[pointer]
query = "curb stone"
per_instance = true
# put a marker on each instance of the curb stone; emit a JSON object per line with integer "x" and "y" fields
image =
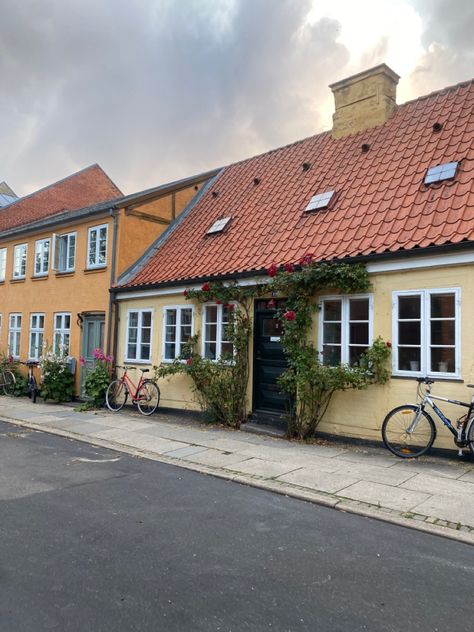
{"x": 427, "y": 524}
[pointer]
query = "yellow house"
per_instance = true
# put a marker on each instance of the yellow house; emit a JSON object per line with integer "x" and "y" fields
{"x": 390, "y": 186}
{"x": 61, "y": 249}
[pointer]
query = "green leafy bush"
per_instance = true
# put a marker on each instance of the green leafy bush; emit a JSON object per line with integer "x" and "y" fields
{"x": 7, "y": 363}
{"x": 58, "y": 381}
{"x": 97, "y": 379}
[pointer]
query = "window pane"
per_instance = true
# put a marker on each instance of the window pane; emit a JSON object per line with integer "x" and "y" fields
{"x": 67, "y": 321}
{"x": 409, "y": 307}
{"x": 359, "y": 309}
{"x": 331, "y": 355}
{"x": 332, "y": 332}
{"x": 332, "y": 310}
{"x": 132, "y": 334}
{"x": 359, "y": 333}
{"x": 211, "y": 314}
{"x": 408, "y": 359}
{"x": 271, "y": 327}
{"x": 171, "y": 317}
{"x": 409, "y": 333}
{"x": 210, "y": 350}
{"x": 131, "y": 351}
{"x": 170, "y": 333}
{"x": 442, "y": 306}
{"x": 442, "y": 332}
{"x": 170, "y": 349}
{"x": 442, "y": 360}
{"x": 355, "y": 353}
{"x": 146, "y": 319}
{"x": 145, "y": 352}
{"x": 227, "y": 350}
{"x": 146, "y": 334}
{"x": 210, "y": 333}
{"x": 186, "y": 316}
{"x": 133, "y": 319}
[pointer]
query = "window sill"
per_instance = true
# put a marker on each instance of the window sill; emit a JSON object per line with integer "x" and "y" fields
{"x": 18, "y": 280}
{"x": 132, "y": 362}
{"x": 436, "y": 378}
{"x": 39, "y": 277}
{"x": 66, "y": 273}
{"x": 97, "y": 269}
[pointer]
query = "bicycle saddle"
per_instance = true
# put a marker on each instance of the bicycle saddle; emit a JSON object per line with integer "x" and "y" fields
{"x": 424, "y": 380}
{"x": 145, "y": 370}
{"x": 470, "y": 385}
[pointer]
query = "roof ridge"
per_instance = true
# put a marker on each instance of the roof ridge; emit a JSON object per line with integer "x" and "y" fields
{"x": 48, "y": 186}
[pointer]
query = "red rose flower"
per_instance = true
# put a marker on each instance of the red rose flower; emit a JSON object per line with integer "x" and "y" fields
{"x": 271, "y": 303}
{"x": 272, "y": 270}
{"x": 205, "y": 287}
{"x": 186, "y": 292}
{"x": 306, "y": 259}
{"x": 189, "y": 361}
{"x": 389, "y": 345}
{"x": 218, "y": 302}
{"x": 230, "y": 306}
{"x": 289, "y": 267}
{"x": 289, "y": 315}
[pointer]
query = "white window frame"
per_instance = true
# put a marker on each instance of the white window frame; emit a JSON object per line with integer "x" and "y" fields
{"x": 17, "y": 258}
{"x": 345, "y": 298}
{"x": 40, "y": 250}
{"x": 178, "y": 342}
{"x": 14, "y": 329}
{"x": 36, "y": 335}
{"x": 97, "y": 229}
{"x": 62, "y": 332}
{"x": 63, "y": 248}
{"x": 3, "y": 263}
{"x": 219, "y": 340}
{"x": 425, "y": 343}
{"x": 140, "y": 312}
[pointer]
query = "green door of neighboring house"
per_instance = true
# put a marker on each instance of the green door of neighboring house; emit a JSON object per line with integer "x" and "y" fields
{"x": 93, "y": 328}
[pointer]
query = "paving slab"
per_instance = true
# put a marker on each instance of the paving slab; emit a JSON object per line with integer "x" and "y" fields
{"x": 454, "y": 508}
{"x": 266, "y": 469}
{"x": 317, "y": 480}
{"x": 374, "y": 473}
{"x": 443, "y": 486}
{"x": 182, "y": 452}
{"x": 216, "y": 458}
{"x": 369, "y": 458}
{"x": 439, "y": 469}
{"x": 384, "y": 495}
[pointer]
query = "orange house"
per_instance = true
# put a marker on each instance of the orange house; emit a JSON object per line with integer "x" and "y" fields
{"x": 62, "y": 247}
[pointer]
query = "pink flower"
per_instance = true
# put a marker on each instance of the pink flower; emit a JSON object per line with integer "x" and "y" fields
{"x": 189, "y": 361}
{"x": 289, "y": 267}
{"x": 82, "y": 361}
{"x": 205, "y": 287}
{"x": 271, "y": 303}
{"x": 272, "y": 270}
{"x": 10, "y": 359}
{"x": 389, "y": 345}
{"x": 289, "y": 315}
{"x": 109, "y": 358}
{"x": 98, "y": 354}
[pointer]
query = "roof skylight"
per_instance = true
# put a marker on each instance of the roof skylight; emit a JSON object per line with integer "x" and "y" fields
{"x": 441, "y": 172}
{"x": 218, "y": 225}
{"x": 320, "y": 200}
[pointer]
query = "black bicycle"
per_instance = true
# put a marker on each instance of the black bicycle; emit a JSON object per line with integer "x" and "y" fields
{"x": 409, "y": 431}
{"x": 32, "y": 384}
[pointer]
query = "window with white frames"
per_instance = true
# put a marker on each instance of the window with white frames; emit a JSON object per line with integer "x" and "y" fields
{"x": 14, "y": 335}
{"x": 3, "y": 263}
{"x": 426, "y": 332}
{"x": 345, "y": 328}
{"x": 66, "y": 253}
{"x": 36, "y": 336}
{"x": 19, "y": 261}
{"x": 215, "y": 338}
{"x": 138, "y": 348}
{"x": 97, "y": 247}
{"x": 42, "y": 248}
{"x": 177, "y": 329}
{"x": 62, "y": 332}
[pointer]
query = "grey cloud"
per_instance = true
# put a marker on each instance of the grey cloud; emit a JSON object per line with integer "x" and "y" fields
{"x": 157, "y": 90}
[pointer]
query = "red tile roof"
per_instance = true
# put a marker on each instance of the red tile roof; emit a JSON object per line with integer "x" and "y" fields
{"x": 81, "y": 189}
{"x": 381, "y": 203}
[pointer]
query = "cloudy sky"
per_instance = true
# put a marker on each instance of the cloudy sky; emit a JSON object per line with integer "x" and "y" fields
{"x": 154, "y": 90}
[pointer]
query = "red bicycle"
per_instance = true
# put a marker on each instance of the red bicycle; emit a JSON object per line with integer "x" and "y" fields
{"x": 145, "y": 394}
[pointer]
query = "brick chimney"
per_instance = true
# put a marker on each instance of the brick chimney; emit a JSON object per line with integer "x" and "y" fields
{"x": 364, "y": 100}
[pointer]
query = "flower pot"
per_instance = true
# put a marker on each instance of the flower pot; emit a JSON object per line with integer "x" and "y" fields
{"x": 443, "y": 367}
{"x": 414, "y": 365}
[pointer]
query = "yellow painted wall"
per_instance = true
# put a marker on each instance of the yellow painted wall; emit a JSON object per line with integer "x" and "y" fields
{"x": 137, "y": 234}
{"x": 79, "y": 291}
{"x": 351, "y": 413}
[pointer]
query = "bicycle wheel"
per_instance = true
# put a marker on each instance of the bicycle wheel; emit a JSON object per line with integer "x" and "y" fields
{"x": 398, "y": 439}
{"x": 33, "y": 389}
{"x": 9, "y": 382}
{"x": 470, "y": 438}
{"x": 148, "y": 398}
{"x": 116, "y": 395}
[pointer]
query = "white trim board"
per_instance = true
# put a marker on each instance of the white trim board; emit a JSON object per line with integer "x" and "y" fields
{"x": 394, "y": 265}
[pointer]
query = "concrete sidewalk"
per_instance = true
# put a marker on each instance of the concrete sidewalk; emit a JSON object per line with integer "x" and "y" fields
{"x": 430, "y": 494}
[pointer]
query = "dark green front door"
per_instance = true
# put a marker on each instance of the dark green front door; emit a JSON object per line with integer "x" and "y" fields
{"x": 269, "y": 361}
{"x": 93, "y": 328}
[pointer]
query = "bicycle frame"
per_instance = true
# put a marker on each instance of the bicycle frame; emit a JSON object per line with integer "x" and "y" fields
{"x": 460, "y": 433}
{"x": 129, "y": 385}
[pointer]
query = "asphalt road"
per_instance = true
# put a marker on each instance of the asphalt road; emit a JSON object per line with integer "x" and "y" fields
{"x": 92, "y": 540}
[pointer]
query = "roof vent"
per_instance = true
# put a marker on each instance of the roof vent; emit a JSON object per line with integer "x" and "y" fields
{"x": 437, "y": 127}
{"x": 447, "y": 171}
{"x": 256, "y": 181}
{"x": 365, "y": 148}
{"x": 320, "y": 200}
{"x": 218, "y": 225}
{"x": 306, "y": 166}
